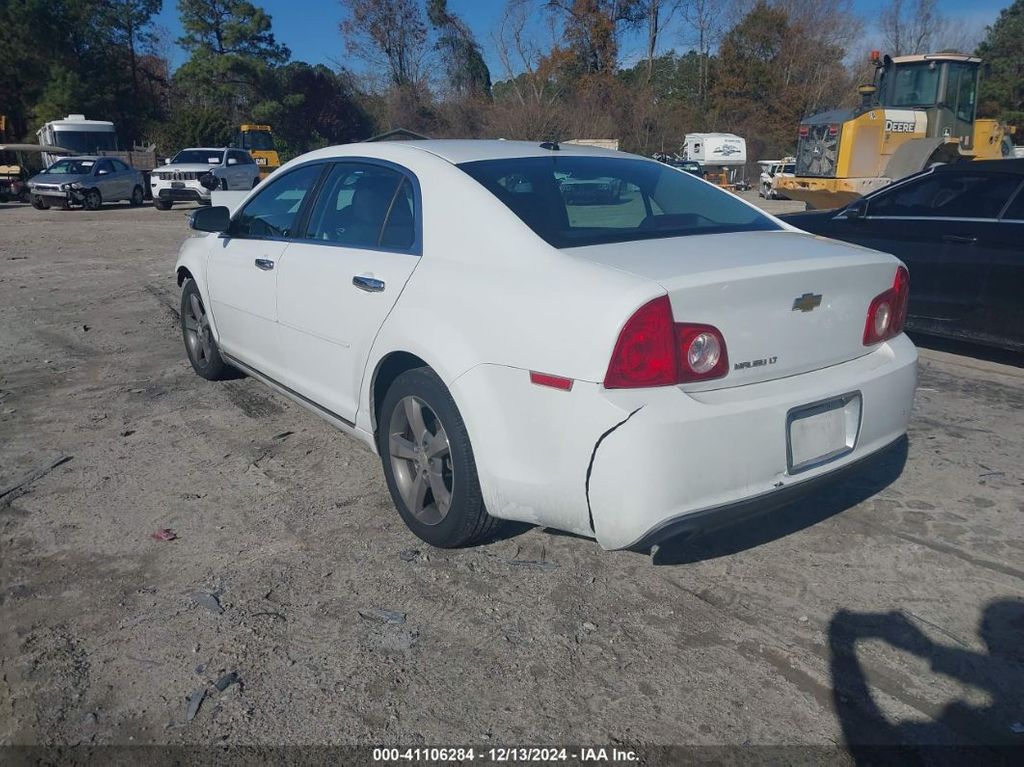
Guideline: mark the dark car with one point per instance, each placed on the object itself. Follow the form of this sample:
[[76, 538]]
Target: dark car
[[960, 230]]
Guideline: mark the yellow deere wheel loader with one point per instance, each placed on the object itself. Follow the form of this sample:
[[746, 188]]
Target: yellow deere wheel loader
[[259, 140], [919, 111]]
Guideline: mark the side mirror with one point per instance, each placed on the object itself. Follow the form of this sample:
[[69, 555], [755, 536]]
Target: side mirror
[[102, 172], [167, 161], [857, 209], [214, 219], [232, 161]]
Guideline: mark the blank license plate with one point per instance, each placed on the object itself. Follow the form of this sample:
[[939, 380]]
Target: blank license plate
[[822, 432], [177, 185]]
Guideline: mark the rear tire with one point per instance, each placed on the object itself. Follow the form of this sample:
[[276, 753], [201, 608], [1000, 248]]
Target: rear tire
[[429, 465], [162, 204], [202, 349]]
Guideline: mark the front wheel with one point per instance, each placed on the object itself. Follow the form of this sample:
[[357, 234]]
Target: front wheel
[[200, 345], [162, 204], [137, 197], [428, 463], [40, 204], [93, 200]]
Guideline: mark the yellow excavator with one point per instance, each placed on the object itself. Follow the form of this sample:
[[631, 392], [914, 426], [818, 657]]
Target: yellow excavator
[[259, 141], [919, 111]]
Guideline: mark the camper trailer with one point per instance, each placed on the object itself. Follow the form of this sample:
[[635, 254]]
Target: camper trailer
[[723, 156]]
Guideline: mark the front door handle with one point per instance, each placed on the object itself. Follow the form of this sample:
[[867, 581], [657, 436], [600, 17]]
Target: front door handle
[[369, 284], [265, 264], [959, 239]]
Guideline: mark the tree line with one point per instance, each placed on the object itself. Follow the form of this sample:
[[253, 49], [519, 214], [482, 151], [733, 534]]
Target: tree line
[[752, 67]]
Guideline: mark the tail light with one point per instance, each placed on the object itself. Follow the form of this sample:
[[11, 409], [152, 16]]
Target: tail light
[[654, 350], [888, 311], [804, 131], [833, 130]]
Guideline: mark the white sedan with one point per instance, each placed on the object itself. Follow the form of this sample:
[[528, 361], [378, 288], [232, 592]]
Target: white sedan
[[622, 369]]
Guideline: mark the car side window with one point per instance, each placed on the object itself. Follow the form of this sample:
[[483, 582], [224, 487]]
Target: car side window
[[362, 205], [946, 195], [118, 165], [1016, 210], [274, 211]]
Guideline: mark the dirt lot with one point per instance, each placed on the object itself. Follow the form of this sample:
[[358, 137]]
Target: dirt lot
[[889, 607]]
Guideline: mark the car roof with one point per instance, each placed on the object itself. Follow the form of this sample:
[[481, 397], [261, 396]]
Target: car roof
[[457, 151], [206, 149], [1007, 165], [92, 157]]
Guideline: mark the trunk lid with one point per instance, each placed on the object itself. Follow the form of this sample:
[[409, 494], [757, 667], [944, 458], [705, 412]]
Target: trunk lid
[[786, 302]]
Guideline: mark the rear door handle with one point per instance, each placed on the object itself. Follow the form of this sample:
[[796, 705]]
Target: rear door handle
[[265, 264], [959, 239], [369, 284]]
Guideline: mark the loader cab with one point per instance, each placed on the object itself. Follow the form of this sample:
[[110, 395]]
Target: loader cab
[[942, 86]]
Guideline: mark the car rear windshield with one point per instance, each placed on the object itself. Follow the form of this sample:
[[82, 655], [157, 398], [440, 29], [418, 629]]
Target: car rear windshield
[[574, 201], [197, 157]]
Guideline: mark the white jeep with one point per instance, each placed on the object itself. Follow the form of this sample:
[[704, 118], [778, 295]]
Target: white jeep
[[193, 174]]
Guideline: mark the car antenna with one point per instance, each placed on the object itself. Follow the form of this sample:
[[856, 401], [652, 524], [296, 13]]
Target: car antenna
[[552, 145]]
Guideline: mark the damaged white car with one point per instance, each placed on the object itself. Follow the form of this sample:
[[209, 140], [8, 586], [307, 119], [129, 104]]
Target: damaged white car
[[620, 368]]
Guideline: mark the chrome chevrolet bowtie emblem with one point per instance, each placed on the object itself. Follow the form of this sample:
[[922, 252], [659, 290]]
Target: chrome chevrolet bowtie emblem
[[808, 302]]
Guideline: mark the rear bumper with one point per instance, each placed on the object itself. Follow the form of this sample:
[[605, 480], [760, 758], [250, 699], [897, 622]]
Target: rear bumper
[[633, 467]]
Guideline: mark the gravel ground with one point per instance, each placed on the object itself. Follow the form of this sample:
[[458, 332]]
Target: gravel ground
[[888, 608]]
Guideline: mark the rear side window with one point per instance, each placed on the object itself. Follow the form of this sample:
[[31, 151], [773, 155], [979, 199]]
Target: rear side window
[[274, 211], [1016, 210], [574, 201], [946, 195], [364, 206]]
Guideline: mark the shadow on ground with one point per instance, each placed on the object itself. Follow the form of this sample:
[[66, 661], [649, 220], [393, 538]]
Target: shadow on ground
[[955, 733]]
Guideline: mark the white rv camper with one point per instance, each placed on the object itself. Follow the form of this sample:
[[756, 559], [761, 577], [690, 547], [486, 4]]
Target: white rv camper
[[719, 154], [79, 135]]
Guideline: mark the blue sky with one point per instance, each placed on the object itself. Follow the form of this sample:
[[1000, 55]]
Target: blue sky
[[310, 27]]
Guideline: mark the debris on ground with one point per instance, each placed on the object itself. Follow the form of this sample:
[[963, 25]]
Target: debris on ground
[[588, 626], [384, 616], [226, 680], [164, 534], [207, 600], [37, 474], [283, 435], [408, 555], [195, 700]]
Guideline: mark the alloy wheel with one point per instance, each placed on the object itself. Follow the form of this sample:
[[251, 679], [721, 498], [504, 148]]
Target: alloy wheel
[[421, 460], [197, 332]]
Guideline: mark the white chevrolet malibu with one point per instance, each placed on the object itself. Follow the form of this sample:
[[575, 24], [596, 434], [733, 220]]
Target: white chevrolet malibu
[[565, 336]]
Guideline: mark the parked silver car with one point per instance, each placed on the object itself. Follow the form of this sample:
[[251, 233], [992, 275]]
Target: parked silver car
[[88, 181]]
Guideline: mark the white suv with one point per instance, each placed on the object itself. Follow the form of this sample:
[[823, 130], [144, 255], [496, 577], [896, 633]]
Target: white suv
[[193, 174]]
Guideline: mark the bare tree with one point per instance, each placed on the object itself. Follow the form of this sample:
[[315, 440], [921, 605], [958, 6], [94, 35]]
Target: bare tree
[[915, 26], [389, 35], [706, 21], [527, 103], [658, 15]]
